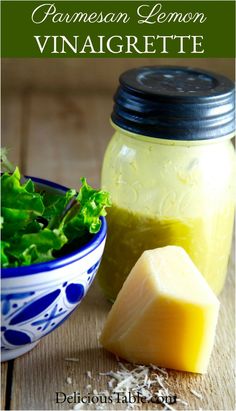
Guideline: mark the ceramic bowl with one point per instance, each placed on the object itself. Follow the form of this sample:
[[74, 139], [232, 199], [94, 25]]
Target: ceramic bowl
[[38, 298]]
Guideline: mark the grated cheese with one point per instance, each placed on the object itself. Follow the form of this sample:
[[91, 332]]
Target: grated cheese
[[197, 394], [72, 359], [135, 380], [89, 374], [79, 406], [182, 401]]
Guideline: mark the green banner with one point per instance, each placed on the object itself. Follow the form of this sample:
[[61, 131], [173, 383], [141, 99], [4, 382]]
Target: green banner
[[118, 29]]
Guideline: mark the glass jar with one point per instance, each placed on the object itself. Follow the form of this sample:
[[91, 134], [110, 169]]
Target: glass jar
[[171, 184]]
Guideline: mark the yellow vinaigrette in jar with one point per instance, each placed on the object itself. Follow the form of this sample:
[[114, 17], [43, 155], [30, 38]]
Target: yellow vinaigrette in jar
[[122, 251], [167, 191]]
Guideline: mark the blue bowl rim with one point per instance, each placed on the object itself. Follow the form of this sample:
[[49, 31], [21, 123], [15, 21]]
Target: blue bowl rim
[[39, 268]]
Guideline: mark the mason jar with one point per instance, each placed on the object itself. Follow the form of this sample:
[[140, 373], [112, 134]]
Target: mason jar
[[170, 169]]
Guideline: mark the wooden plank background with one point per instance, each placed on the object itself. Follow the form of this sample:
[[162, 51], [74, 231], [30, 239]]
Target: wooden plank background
[[89, 75], [61, 135]]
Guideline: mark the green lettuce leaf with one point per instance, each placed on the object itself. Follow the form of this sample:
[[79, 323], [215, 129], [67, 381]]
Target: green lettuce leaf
[[38, 226], [55, 206], [4, 257], [20, 204], [85, 213], [37, 247]]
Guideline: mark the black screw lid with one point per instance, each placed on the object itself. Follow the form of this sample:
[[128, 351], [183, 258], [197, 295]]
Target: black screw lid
[[178, 103]]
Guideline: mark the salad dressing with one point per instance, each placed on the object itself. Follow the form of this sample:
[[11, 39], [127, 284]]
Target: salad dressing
[[131, 233], [170, 169]]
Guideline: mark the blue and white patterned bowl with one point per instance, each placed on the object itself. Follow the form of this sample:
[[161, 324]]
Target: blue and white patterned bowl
[[38, 298]]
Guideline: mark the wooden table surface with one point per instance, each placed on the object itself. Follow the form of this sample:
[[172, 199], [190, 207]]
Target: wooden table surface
[[62, 137]]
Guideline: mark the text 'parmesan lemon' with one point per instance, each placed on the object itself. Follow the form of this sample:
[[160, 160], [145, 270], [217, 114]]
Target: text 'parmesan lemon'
[[165, 313]]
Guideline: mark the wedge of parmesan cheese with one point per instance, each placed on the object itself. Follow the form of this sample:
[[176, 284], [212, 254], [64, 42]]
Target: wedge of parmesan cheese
[[165, 313]]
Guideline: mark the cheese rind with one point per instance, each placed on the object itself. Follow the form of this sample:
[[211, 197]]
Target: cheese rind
[[165, 313]]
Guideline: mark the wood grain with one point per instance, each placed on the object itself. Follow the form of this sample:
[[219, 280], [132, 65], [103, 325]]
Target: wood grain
[[11, 138], [90, 75], [12, 106], [41, 373], [65, 137], [4, 368]]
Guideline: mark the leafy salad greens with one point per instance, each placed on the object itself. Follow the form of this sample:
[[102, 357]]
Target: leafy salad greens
[[38, 225]]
